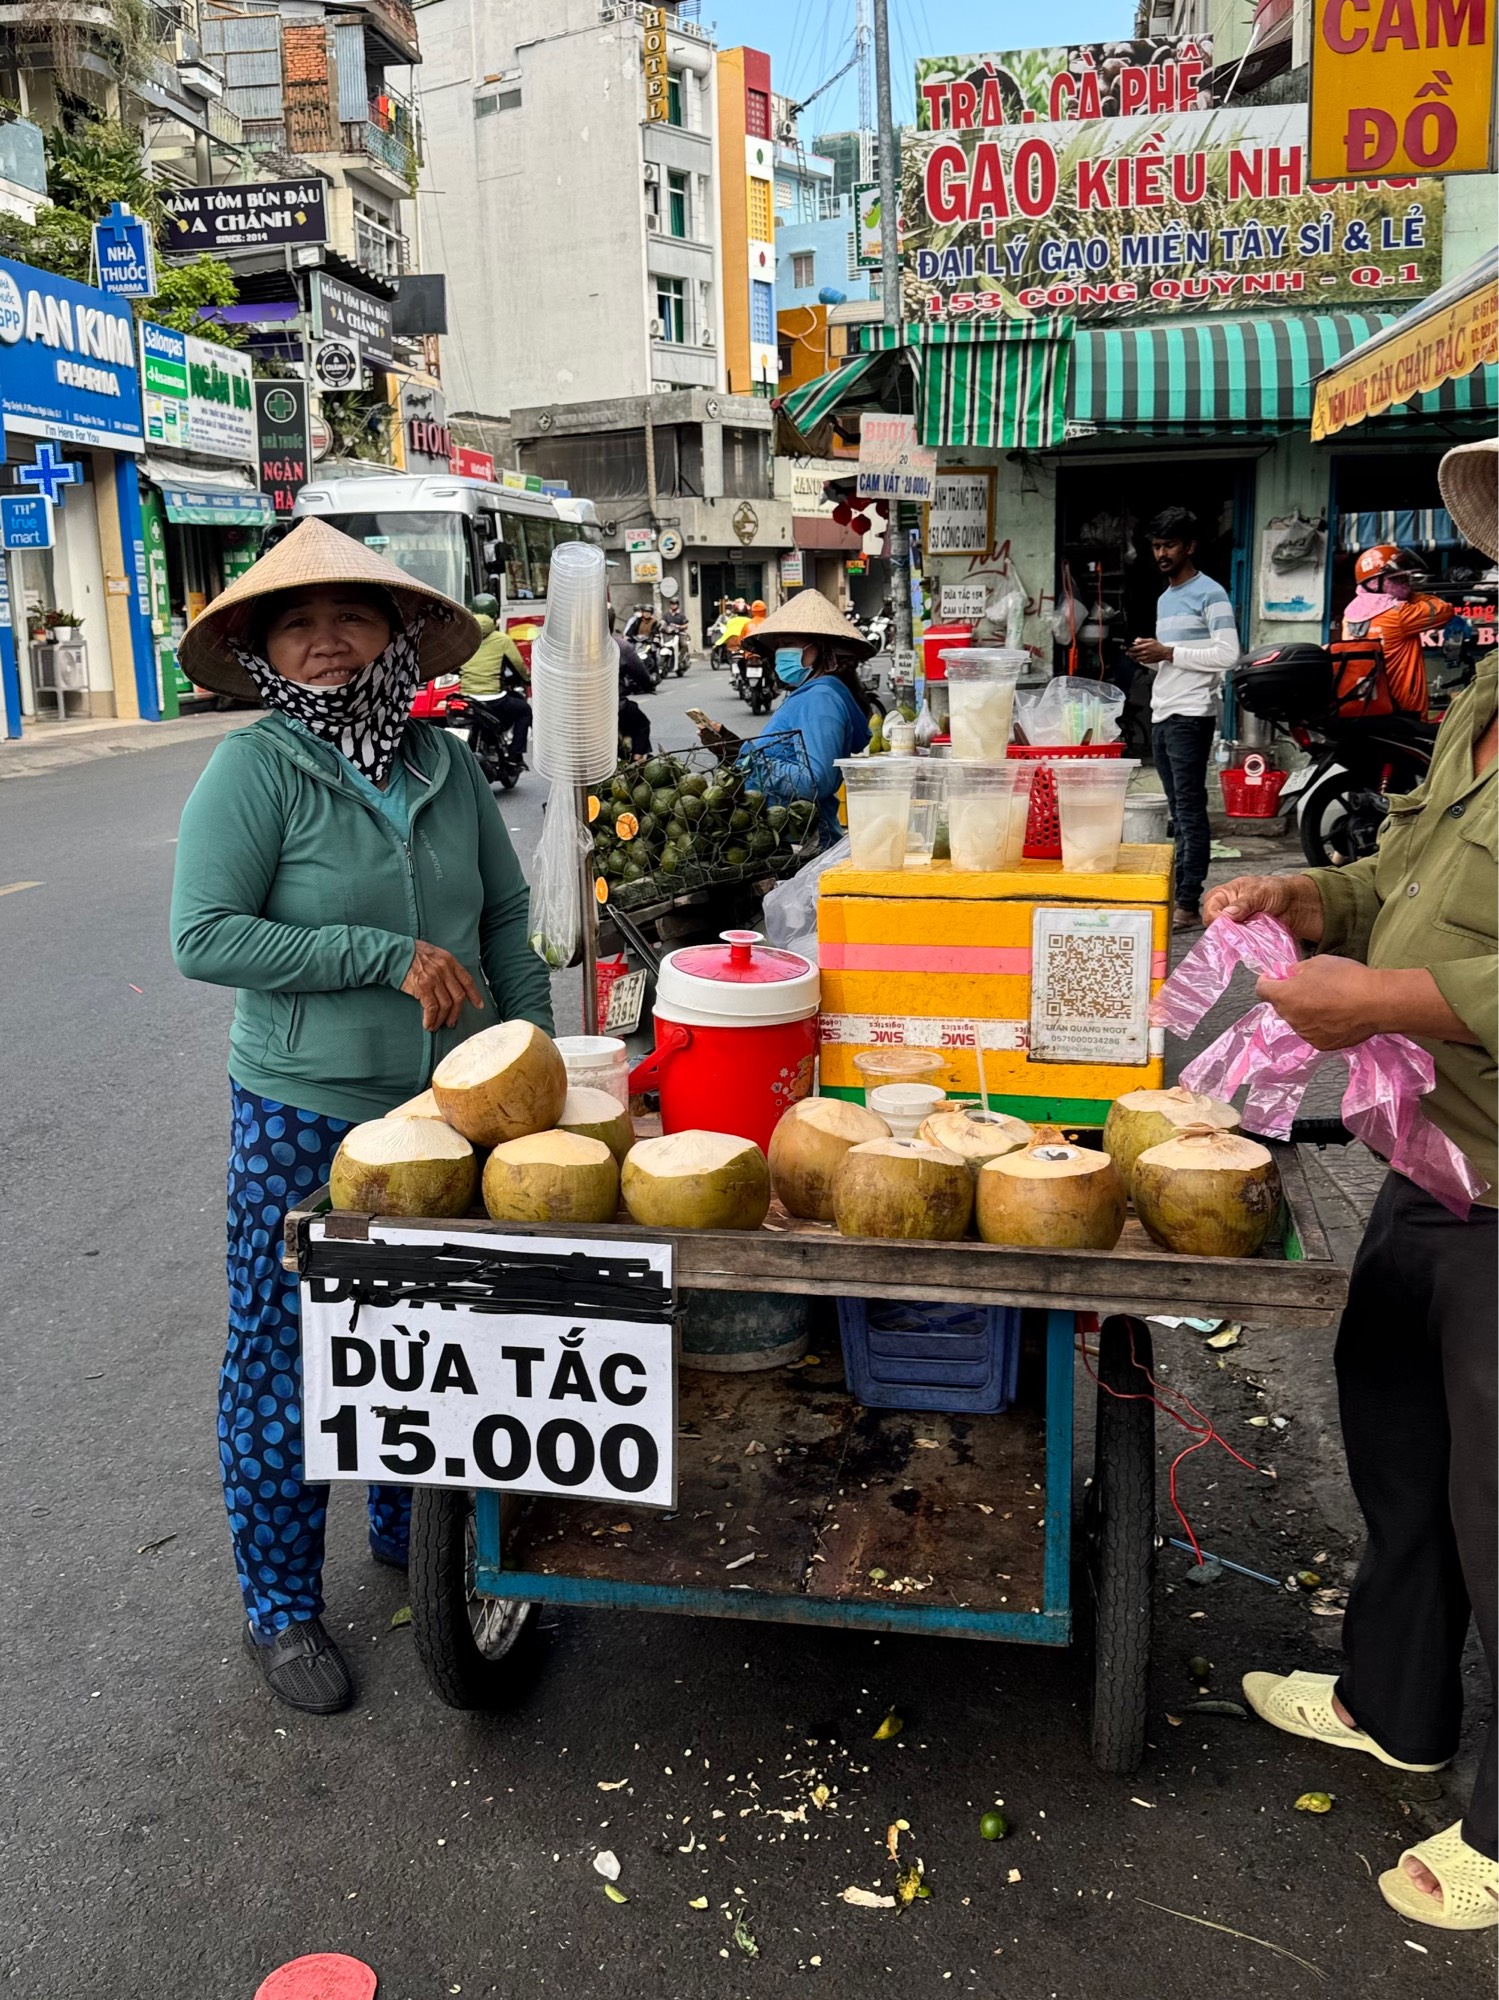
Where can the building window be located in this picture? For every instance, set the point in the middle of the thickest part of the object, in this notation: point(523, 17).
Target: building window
point(674, 98)
point(678, 204)
point(762, 312)
point(671, 310)
point(760, 224)
point(785, 196)
point(757, 114)
point(802, 266)
point(378, 246)
point(784, 358)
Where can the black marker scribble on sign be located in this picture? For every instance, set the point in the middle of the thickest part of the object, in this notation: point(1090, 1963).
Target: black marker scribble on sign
point(383, 1275)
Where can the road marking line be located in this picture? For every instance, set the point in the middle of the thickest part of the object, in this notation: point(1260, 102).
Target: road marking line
point(13, 888)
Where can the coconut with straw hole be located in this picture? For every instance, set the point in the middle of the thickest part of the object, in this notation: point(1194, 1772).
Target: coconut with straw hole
point(696, 1180)
point(903, 1188)
point(1141, 1119)
point(807, 1148)
point(552, 1177)
point(403, 1166)
point(976, 1135)
point(503, 1083)
point(1051, 1196)
point(1207, 1193)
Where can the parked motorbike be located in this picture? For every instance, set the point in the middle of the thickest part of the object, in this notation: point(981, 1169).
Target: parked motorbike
point(754, 683)
point(1356, 761)
point(879, 631)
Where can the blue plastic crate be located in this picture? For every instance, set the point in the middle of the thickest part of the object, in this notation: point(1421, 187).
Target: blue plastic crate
point(902, 1356)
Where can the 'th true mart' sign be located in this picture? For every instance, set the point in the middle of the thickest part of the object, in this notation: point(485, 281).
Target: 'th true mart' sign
point(1401, 87)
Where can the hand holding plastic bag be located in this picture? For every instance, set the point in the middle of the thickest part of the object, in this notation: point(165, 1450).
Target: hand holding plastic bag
point(1388, 1075)
point(555, 872)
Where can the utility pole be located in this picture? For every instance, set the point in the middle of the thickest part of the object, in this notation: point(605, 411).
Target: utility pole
point(900, 547)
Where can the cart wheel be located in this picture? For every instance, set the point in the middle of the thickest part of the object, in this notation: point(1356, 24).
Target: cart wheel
point(1119, 1527)
point(470, 1645)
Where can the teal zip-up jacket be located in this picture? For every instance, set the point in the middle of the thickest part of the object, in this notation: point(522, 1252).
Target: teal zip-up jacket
point(297, 891)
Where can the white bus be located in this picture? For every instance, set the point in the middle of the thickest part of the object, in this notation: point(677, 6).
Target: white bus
point(462, 536)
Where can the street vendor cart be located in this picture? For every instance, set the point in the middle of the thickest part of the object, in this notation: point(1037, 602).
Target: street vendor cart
point(786, 1500)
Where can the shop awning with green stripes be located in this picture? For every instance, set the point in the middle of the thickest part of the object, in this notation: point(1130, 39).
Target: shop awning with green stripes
point(1002, 384)
point(1233, 376)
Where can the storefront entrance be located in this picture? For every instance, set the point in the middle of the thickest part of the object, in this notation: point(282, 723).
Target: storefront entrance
point(720, 580)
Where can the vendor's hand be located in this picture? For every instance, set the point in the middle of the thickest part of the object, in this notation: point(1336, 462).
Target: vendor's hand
point(1292, 898)
point(441, 984)
point(1330, 1002)
point(1149, 653)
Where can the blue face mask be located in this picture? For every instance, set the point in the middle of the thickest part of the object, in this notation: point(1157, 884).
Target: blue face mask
point(791, 670)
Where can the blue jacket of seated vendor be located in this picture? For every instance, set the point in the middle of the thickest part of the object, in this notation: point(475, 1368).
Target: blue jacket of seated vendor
point(831, 724)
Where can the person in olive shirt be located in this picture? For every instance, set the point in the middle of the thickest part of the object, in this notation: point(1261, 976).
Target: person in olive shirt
point(1406, 944)
point(483, 676)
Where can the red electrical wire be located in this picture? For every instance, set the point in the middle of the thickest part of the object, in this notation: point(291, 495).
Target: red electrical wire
point(1204, 1430)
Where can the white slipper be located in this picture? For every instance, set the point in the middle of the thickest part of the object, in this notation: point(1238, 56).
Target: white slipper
point(1301, 1705)
point(1469, 1883)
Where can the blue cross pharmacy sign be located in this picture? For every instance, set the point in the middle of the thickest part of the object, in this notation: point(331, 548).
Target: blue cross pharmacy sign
point(51, 473)
point(25, 521)
point(67, 361)
point(124, 254)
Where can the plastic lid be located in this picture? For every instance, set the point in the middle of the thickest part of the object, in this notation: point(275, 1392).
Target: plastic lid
point(748, 961)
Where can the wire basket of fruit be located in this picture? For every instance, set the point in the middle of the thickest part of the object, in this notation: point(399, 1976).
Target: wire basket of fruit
point(687, 819)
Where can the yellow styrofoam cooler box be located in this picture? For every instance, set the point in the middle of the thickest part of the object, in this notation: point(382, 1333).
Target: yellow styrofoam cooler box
point(1052, 972)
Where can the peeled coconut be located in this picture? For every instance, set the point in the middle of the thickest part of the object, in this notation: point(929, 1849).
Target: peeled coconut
point(1051, 1196)
point(696, 1180)
point(902, 1188)
point(422, 1106)
point(1145, 1118)
point(503, 1083)
point(1207, 1193)
point(975, 1134)
point(403, 1166)
point(807, 1149)
point(598, 1114)
point(552, 1177)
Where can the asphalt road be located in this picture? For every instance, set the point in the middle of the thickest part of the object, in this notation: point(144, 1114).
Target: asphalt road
point(170, 1830)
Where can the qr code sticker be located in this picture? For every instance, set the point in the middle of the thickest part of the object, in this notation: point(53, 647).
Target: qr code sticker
point(1091, 978)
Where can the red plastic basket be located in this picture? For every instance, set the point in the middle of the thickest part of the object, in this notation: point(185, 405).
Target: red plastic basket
point(1043, 828)
point(1251, 790)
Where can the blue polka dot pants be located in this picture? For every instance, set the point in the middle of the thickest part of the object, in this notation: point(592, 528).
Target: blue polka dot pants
point(277, 1156)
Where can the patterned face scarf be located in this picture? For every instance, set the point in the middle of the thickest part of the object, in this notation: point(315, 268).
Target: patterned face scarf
point(366, 718)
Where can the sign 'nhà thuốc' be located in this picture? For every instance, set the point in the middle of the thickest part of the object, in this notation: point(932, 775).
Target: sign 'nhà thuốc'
point(1119, 218)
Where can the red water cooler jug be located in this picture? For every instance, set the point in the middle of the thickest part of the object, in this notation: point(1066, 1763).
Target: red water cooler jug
point(736, 1036)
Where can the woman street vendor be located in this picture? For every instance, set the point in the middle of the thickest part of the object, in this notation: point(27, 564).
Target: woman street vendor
point(347, 871)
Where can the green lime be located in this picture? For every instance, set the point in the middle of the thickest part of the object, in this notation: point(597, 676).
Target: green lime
point(633, 872)
point(616, 864)
point(762, 841)
point(715, 799)
point(640, 798)
point(993, 1826)
point(736, 856)
point(657, 773)
point(777, 817)
point(739, 819)
point(619, 791)
point(694, 785)
point(660, 802)
point(754, 802)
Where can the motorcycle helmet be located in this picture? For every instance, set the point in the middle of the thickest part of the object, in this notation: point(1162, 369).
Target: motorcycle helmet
point(757, 609)
point(1383, 559)
point(485, 605)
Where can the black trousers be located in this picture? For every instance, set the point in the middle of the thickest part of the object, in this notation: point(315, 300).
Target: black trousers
point(512, 711)
point(1417, 1361)
point(1181, 746)
point(635, 724)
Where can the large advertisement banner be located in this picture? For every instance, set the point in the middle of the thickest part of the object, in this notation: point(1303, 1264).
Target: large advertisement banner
point(1074, 80)
point(1209, 211)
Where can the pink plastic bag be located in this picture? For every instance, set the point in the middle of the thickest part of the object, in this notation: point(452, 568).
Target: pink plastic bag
point(1388, 1075)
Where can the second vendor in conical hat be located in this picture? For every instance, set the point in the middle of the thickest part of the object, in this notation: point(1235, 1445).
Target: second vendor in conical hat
point(815, 652)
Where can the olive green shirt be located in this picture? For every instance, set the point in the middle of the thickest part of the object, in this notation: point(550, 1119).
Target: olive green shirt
point(1428, 899)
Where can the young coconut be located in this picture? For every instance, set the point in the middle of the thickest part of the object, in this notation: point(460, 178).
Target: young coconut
point(696, 1180)
point(807, 1149)
point(598, 1114)
point(1207, 1193)
point(503, 1083)
point(976, 1135)
point(422, 1106)
point(403, 1166)
point(1051, 1196)
point(902, 1188)
point(552, 1177)
point(1145, 1118)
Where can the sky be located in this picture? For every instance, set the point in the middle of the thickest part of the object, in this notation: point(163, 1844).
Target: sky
point(808, 39)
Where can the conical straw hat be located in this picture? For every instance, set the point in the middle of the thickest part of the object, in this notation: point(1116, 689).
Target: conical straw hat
point(809, 615)
point(1469, 478)
point(316, 553)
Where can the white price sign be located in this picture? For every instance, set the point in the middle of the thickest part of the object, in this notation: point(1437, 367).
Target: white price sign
point(517, 1364)
point(892, 465)
point(960, 520)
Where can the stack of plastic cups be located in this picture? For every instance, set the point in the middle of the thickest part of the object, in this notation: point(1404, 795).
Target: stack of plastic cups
point(1090, 806)
point(981, 698)
point(987, 809)
point(575, 672)
point(878, 790)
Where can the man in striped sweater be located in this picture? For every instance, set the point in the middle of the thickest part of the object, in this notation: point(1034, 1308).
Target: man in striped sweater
point(1196, 643)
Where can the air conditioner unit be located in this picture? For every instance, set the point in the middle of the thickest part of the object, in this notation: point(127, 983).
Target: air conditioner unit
point(710, 338)
point(787, 132)
point(658, 329)
point(652, 174)
point(652, 220)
